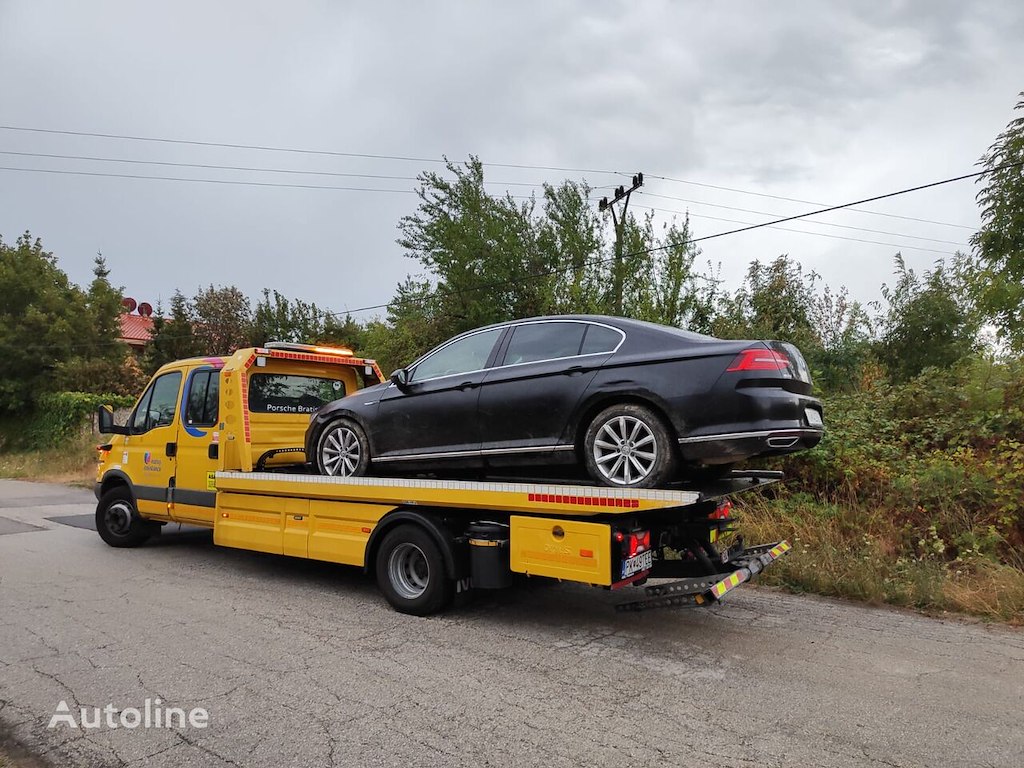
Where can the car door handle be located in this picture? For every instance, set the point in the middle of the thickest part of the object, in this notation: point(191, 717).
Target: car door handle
point(171, 449)
point(467, 385)
point(574, 370)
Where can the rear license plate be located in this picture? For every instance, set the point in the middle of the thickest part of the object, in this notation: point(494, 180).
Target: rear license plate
point(813, 417)
point(637, 564)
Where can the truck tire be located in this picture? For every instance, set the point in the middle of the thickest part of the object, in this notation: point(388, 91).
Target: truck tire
point(342, 450)
point(628, 446)
point(410, 572)
point(118, 522)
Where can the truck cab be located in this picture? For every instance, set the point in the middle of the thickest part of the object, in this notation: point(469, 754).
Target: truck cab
point(161, 463)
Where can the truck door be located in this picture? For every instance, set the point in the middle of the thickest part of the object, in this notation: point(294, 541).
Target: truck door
point(151, 448)
point(194, 496)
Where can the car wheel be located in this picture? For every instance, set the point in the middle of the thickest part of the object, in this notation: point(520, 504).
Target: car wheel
point(628, 445)
point(410, 572)
point(343, 450)
point(118, 522)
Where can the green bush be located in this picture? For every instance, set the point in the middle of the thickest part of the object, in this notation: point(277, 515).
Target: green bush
point(927, 476)
point(59, 415)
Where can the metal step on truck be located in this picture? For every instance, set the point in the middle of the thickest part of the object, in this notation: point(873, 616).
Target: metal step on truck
point(217, 442)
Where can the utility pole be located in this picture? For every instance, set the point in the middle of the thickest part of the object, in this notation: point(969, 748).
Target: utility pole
point(620, 227)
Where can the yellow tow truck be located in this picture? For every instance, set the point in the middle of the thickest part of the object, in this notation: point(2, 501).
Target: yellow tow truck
point(218, 442)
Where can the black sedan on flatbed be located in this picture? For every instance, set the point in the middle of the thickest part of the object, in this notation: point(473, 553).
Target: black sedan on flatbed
point(636, 404)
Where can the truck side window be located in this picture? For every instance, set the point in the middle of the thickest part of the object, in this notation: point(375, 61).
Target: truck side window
point(157, 406)
point(204, 388)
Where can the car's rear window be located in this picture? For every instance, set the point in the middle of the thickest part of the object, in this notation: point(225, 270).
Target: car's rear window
point(600, 339)
point(283, 393)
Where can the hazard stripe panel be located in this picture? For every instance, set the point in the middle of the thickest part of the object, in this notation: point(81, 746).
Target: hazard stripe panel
point(731, 581)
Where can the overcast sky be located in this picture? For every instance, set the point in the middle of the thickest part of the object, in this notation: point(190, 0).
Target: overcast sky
point(823, 102)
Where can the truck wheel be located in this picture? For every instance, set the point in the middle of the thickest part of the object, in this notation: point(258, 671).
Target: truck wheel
point(628, 446)
point(118, 522)
point(410, 572)
point(343, 450)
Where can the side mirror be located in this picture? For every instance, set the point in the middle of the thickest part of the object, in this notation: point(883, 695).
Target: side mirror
point(105, 422)
point(400, 378)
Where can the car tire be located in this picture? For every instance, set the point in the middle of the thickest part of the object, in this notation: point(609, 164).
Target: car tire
point(410, 572)
point(342, 450)
point(118, 521)
point(629, 446)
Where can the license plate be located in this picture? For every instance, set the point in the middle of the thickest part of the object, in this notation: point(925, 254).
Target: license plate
point(813, 417)
point(634, 565)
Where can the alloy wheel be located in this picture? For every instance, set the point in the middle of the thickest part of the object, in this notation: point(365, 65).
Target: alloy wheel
point(340, 452)
point(625, 450)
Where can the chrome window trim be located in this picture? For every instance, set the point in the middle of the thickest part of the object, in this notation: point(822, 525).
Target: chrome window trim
point(513, 325)
point(412, 368)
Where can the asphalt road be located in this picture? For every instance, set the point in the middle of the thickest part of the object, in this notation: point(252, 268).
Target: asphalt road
point(304, 664)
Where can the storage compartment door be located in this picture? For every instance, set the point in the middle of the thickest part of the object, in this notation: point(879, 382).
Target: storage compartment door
point(562, 549)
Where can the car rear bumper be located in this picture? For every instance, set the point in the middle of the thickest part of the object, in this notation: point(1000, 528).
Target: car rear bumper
point(729, 447)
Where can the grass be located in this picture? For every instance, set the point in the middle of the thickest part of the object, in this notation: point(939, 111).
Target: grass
point(864, 555)
point(73, 463)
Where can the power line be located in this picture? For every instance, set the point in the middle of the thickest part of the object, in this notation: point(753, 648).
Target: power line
point(806, 202)
point(805, 232)
point(765, 213)
point(748, 228)
point(236, 182)
point(323, 152)
point(203, 181)
point(207, 166)
point(690, 241)
point(406, 158)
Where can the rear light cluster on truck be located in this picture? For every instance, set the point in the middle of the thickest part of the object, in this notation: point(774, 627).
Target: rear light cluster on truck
point(723, 516)
point(633, 543)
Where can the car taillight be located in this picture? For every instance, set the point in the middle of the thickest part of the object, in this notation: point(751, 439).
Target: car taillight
point(760, 360)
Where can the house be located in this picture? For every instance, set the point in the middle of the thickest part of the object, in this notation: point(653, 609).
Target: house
point(136, 325)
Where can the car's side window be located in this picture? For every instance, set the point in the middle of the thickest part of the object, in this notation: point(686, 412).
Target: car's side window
point(158, 404)
point(462, 356)
point(202, 406)
point(544, 341)
point(600, 338)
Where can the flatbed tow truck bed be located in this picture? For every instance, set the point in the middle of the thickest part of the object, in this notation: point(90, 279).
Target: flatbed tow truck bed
point(484, 532)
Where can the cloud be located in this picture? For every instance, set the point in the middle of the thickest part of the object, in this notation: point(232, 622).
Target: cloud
point(812, 100)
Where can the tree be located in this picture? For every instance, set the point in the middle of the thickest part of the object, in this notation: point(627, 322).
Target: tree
point(172, 338)
point(43, 319)
point(930, 322)
point(97, 364)
point(845, 334)
point(775, 302)
point(222, 320)
point(571, 232)
point(482, 252)
point(1000, 241)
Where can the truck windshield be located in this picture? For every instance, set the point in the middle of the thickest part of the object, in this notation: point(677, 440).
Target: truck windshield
point(283, 393)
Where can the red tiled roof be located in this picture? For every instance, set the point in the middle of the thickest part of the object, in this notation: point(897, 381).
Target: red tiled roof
point(136, 329)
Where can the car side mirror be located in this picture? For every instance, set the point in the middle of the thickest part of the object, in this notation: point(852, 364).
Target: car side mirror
point(400, 378)
point(105, 422)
